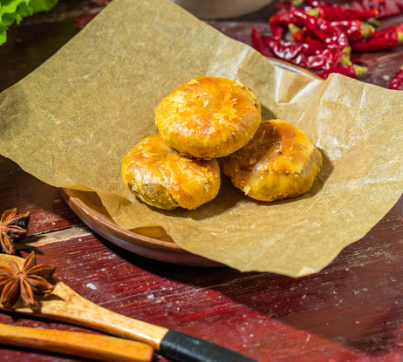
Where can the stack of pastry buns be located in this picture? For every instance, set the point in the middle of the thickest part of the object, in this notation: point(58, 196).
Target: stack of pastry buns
point(210, 118)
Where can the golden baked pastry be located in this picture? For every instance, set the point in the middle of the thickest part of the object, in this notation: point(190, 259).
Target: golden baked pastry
point(161, 177)
point(208, 117)
point(280, 161)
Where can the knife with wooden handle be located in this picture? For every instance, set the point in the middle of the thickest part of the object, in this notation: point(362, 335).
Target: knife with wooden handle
point(67, 305)
point(101, 348)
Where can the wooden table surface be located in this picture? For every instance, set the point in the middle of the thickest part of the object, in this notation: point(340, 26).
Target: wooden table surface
point(350, 311)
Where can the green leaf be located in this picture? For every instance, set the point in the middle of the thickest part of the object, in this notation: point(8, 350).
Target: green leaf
point(14, 11)
point(3, 34)
point(42, 5)
point(10, 6)
point(22, 12)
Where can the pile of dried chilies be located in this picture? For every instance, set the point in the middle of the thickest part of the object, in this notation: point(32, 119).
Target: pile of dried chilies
point(324, 34)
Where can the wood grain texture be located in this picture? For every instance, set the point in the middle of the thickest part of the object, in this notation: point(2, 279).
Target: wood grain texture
point(351, 311)
point(66, 305)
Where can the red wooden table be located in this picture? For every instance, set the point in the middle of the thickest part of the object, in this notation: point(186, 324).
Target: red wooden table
point(351, 311)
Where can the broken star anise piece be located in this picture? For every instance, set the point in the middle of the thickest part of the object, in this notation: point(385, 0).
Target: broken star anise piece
point(31, 279)
point(12, 229)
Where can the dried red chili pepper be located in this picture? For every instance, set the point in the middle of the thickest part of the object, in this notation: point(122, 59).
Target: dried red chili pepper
point(302, 35)
point(331, 13)
point(260, 45)
point(277, 31)
point(380, 33)
point(397, 80)
point(352, 71)
point(280, 19)
point(385, 8)
point(386, 41)
point(355, 30)
point(320, 28)
point(311, 56)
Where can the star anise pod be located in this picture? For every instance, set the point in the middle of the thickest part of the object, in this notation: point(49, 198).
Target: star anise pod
point(12, 229)
point(25, 282)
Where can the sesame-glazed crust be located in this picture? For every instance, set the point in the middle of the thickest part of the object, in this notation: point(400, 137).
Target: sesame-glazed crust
point(208, 117)
point(161, 177)
point(279, 162)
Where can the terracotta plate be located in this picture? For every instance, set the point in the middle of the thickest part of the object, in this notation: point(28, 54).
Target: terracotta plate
point(151, 242)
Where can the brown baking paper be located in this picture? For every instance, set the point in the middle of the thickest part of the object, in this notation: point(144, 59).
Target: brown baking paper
point(72, 120)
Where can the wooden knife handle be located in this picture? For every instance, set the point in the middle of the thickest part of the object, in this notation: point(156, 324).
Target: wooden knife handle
point(101, 348)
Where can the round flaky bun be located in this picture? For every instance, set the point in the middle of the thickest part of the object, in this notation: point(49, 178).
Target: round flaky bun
point(208, 117)
point(280, 161)
point(161, 177)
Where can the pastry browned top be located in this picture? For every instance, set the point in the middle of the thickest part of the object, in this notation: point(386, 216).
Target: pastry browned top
point(208, 117)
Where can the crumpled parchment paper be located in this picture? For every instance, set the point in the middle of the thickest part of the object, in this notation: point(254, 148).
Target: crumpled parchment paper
point(72, 120)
